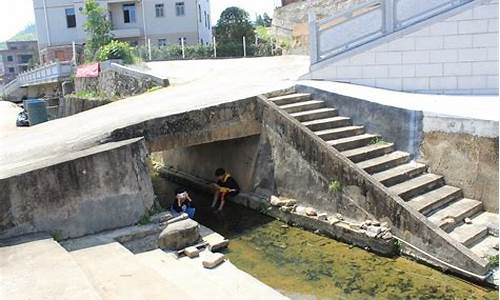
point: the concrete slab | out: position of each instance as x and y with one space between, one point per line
117 274
231 278
486 247
42 269
183 275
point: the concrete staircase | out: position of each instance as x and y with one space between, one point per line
427 193
42 269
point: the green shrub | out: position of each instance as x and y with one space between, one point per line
335 186
116 50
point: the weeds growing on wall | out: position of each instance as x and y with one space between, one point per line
335 186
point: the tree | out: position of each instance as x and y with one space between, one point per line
234 24
267 20
259 21
97 26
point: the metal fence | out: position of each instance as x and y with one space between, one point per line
368 21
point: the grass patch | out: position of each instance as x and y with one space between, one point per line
57 235
154 88
378 141
335 186
145 219
87 94
493 261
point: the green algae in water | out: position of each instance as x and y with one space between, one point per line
311 265
303 265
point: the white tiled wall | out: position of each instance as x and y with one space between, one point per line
456 56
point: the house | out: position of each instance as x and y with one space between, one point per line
163 22
16 58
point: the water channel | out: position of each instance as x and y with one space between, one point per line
304 265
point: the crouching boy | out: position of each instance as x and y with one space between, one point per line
225 188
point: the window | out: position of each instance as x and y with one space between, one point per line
205 16
10 58
208 20
179 9
129 13
11 70
199 12
159 10
59 54
162 42
24 68
25 58
70 18
201 41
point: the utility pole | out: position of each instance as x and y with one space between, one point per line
244 47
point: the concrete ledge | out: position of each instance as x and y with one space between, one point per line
84 192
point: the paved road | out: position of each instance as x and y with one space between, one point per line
195 84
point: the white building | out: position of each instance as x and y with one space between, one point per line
164 22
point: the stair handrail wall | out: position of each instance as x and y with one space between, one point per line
368 21
46 73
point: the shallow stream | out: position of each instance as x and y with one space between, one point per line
304 265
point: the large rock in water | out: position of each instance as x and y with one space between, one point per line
179 235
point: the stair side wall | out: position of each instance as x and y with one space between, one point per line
465 151
364 192
457 55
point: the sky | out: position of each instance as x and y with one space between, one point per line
16 14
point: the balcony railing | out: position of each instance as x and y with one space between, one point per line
369 21
53 72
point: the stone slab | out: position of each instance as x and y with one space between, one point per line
117 274
42 269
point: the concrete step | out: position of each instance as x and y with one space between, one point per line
435 199
314 114
368 152
400 173
353 141
183 275
333 122
469 234
117 274
489 220
291 98
227 275
458 211
486 247
303 106
223 282
41 269
340 132
382 163
417 186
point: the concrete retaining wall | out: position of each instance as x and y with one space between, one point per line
104 187
464 150
117 81
457 55
71 104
